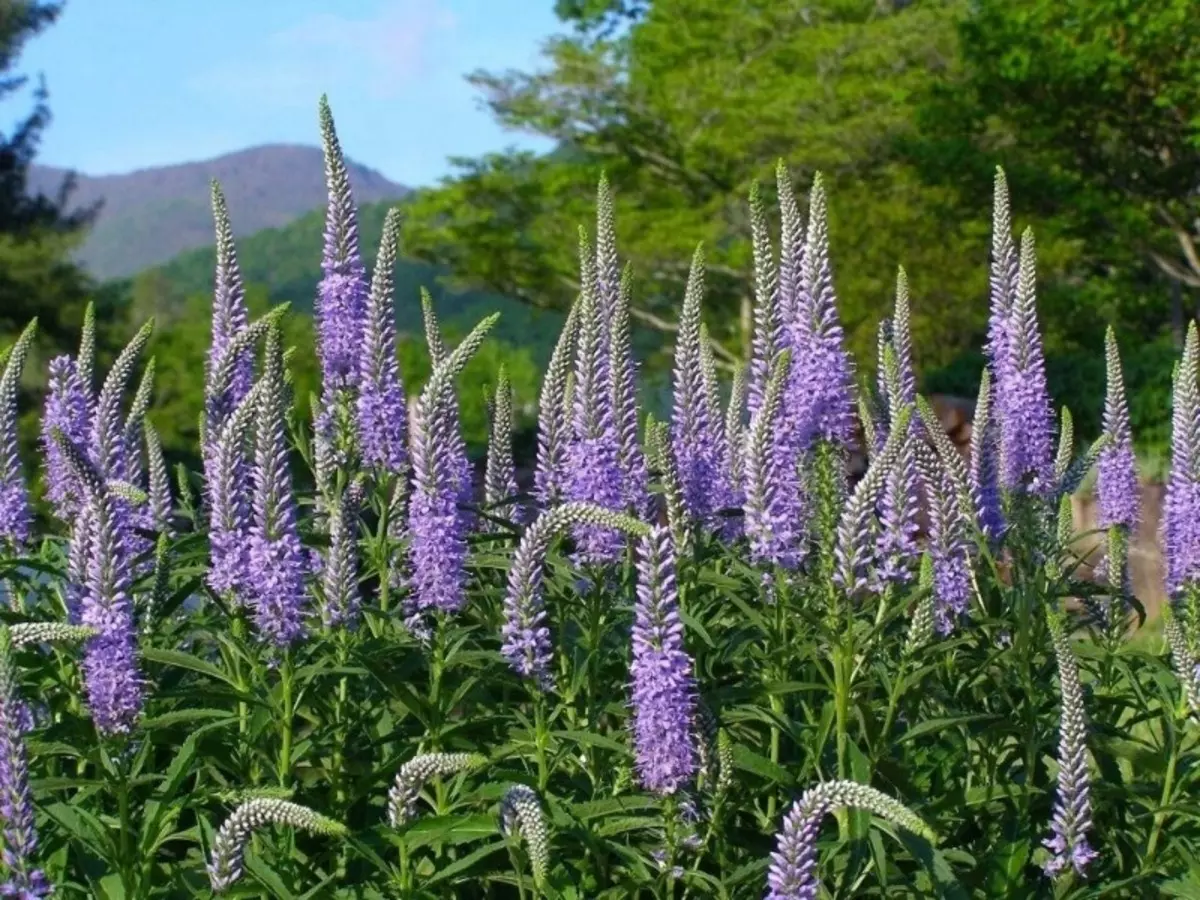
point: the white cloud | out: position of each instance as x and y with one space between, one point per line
380 55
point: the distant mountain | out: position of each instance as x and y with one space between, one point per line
152 215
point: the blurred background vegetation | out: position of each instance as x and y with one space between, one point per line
906 106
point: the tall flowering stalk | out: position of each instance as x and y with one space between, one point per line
1181 506
820 394
16 515
16 799
1117 485
382 410
697 438
614 288
1026 419
230 365
985 463
500 480
454 446
437 532
227 862
1072 819
277 565
68 410
858 529
554 419
765 342
341 304
1002 278
592 466
664 688
111 675
526 636
793 872
341 596
766 519
229 501
900 504
949 543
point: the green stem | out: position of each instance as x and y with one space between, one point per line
541 738
1160 817
287 714
126 829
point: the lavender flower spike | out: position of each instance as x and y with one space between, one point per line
341 305
1117 484
1026 418
437 533
793 871
765 341
820 396
500 481
949 542
225 867
1003 277
111 675
229 502
382 410
1181 506
664 689
16 515
108 448
767 523
68 410
624 401
410 780
230 317
592 466
553 420
342 598
526 638
1072 809
696 434
277 564
857 530
16 799
985 462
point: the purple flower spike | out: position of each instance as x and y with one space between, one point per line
16 800
1181 506
382 409
111 676
985 463
820 395
341 305
277 564
230 318
1003 276
1117 483
500 482
793 871
68 410
949 544
554 421
697 436
767 336
1026 418
16 516
768 484
664 689
437 530
1072 818
592 465
340 574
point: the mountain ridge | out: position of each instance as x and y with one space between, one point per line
152 215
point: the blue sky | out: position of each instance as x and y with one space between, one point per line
137 83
